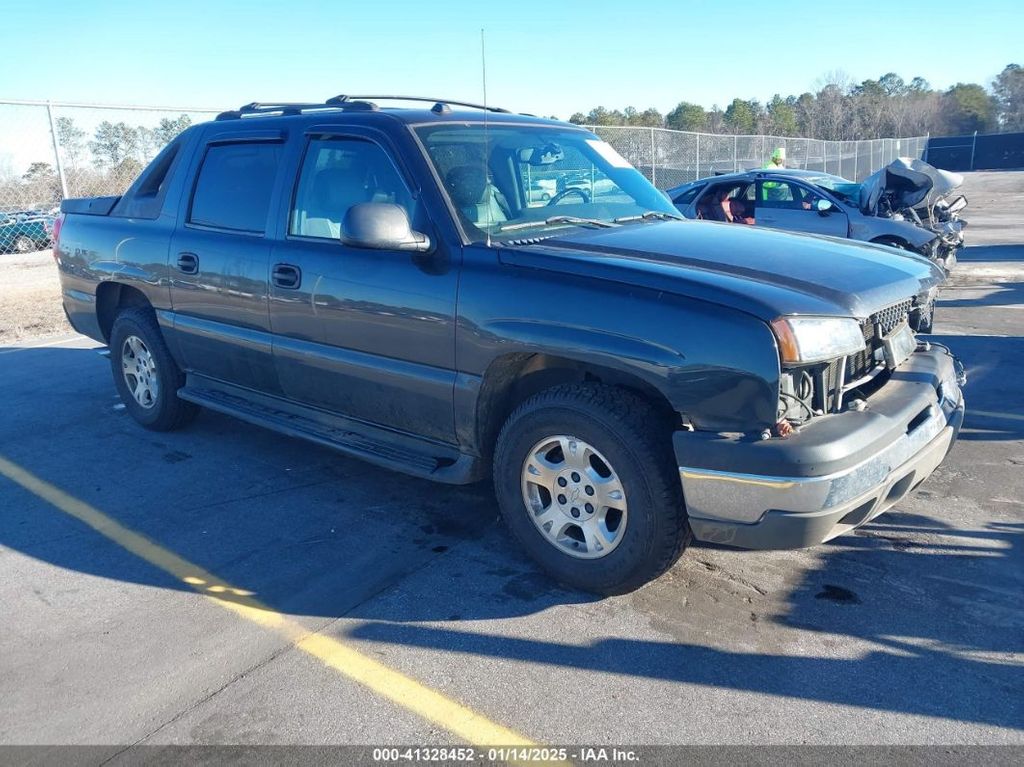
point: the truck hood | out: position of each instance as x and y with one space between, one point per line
761 272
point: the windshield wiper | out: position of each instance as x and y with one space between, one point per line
651 214
559 220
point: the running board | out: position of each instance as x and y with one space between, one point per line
391 450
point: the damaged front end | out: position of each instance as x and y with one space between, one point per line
914 191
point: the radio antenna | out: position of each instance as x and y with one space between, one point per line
487 186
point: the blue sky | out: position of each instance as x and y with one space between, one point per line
554 57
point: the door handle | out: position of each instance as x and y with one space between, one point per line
188 263
286 276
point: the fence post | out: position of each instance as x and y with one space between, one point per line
654 175
974 145
56 153
855 148
735 149
698 157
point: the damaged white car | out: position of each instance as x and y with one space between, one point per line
908 204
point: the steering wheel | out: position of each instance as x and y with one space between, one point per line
567 191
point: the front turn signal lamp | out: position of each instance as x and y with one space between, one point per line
803 340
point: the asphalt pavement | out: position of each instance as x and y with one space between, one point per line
226 585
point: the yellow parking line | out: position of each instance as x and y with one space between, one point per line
386 682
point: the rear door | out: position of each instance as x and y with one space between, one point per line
791 206
368 334
220 256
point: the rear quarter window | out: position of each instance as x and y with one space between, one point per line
234 186
145 197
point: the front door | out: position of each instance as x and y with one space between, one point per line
368 334
793 207
219 261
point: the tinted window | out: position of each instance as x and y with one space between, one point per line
337 174
145 197
234 186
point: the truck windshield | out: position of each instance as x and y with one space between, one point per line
515 181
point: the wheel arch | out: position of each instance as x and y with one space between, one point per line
514 378
892 240
111 298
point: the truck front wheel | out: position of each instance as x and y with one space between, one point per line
145 374
586 483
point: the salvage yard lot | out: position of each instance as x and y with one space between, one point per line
909 631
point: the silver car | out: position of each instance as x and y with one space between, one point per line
811 202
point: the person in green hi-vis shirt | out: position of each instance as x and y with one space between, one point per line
777 161
773 190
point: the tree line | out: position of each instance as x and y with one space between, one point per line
843 110
104 162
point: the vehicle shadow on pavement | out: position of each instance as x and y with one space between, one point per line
995 379
991 253
988 288
306 530
1002 294
905 618
311 533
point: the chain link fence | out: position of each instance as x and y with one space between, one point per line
49 151
989 151
669 158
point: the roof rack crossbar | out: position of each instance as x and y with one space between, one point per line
291 108
343 99
342 102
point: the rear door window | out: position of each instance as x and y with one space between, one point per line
234 186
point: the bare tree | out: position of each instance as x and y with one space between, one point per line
71 139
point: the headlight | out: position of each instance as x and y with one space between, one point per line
816 339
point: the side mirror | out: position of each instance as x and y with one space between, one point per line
958 204
823 205
381 226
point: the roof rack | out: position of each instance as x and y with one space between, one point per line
345 103
293 108
439 104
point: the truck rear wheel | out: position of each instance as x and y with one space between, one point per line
586 483
145 374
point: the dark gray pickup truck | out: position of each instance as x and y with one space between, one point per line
388 283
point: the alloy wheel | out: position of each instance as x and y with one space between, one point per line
574 497
139 370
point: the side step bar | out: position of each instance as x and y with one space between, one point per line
391 450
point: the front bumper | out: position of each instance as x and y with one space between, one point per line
837 473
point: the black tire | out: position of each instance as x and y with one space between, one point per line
636 441
23 244
165 411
